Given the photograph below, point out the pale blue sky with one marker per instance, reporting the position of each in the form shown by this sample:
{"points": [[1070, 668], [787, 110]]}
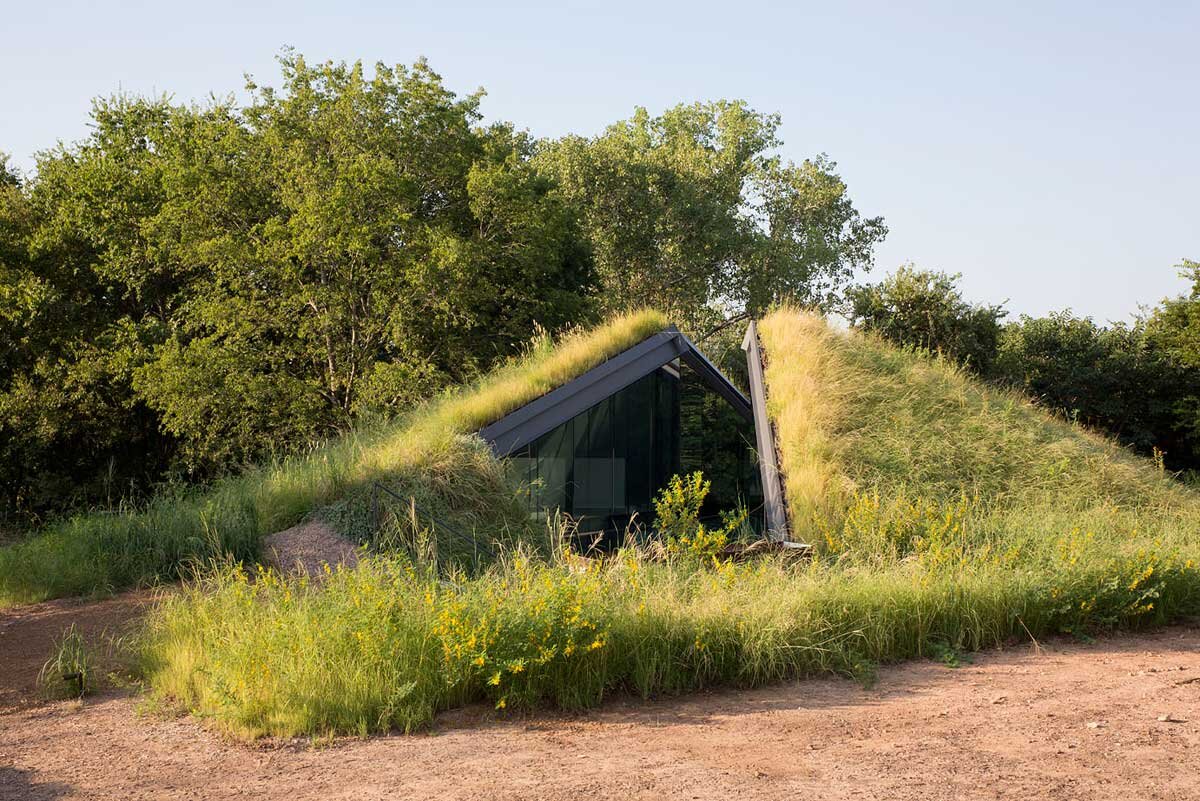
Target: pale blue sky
{"points": [[1046, 151]]}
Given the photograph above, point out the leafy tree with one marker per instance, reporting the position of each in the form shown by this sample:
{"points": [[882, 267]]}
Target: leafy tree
{"points": [[389, 239], [19, 292], [1112, 378], [197, 285], [692, 211], [1174, 328], [925, 309], [70, 426]]}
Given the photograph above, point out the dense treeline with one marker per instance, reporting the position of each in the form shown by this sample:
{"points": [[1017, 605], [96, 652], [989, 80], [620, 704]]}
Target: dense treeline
{"points": [[1140, 382], [195, 286]]}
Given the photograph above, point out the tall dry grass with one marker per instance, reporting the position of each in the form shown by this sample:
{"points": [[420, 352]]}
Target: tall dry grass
{"points": [[390, 644], [856, 416], [807, 386]]}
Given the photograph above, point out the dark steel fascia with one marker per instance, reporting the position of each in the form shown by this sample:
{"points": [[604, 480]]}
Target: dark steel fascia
{"points": [[542, 415]]}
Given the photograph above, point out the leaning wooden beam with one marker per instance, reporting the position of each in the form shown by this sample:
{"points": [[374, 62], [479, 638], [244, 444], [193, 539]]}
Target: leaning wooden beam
{"points": [[768, 458]]}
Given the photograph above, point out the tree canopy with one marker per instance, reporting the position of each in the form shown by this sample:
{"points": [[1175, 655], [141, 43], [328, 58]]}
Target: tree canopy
{"points": [[1174, 328], [925, 309], [196, 285], [693, 211]]}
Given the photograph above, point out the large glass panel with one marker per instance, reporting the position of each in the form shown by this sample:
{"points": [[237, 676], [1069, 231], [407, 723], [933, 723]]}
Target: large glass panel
{"points": [[636, 404], [552, 465], [605, 466], [594, 467], [718, 441]]}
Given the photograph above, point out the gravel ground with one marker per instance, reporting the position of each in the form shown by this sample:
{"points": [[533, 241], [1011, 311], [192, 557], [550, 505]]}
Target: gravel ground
{"points": [[308, 547]]}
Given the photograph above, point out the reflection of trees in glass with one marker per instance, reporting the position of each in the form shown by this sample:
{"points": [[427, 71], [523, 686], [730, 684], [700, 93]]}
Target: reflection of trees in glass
{"points": [[718, 442], [609, 462]]}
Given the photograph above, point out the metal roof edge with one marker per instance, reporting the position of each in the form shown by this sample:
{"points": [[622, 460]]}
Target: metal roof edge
{"points": [[545, 413]]}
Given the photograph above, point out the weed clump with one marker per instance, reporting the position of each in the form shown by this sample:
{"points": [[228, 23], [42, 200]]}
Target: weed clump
{"points": [[70, 672], [678, 524]]}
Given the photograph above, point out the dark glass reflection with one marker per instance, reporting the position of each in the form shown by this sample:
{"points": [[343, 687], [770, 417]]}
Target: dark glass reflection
{"points": [[604, 466]]}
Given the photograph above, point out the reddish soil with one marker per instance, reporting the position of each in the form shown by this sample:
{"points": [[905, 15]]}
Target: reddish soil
{"points": [[27, 635], [1071, 720]]}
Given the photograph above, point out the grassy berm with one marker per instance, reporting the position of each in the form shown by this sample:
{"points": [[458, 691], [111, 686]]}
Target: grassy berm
{"points": [[946, 515], [424, 455]]}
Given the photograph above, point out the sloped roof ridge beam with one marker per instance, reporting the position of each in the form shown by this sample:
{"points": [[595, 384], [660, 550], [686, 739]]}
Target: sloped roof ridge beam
{"points": [[544, 414], [768, 457]]}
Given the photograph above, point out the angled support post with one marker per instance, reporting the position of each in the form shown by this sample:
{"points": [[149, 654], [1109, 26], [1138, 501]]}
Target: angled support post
{"points": [[768, 457]]}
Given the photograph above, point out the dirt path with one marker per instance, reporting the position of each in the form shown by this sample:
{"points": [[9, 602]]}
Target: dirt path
{"points": [[1074, 721], [27, 634]]}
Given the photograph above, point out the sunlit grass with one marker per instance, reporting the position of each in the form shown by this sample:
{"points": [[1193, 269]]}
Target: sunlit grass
{"points": [[854, 415], [388, 645], [806, 385], [421, 452]]}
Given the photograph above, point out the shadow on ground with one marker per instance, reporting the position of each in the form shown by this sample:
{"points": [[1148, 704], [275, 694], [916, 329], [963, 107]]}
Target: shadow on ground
{"points": [[19, 784]]}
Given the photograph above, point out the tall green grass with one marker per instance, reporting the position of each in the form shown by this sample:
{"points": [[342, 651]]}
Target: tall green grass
{"points": [[387, 645], [855, 416], [423, 454]]}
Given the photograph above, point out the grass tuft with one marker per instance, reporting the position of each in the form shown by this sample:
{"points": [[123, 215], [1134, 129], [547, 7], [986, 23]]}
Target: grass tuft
{"points": [[70, 672]]}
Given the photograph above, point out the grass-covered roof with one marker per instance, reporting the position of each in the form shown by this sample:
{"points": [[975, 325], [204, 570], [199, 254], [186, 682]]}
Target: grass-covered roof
{"points": [[424, 453], [856, 417]]}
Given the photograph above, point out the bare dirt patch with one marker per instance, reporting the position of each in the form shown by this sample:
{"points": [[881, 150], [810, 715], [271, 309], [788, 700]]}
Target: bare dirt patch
{"points": [[309, 547], [1071, 721], [27, 633]]}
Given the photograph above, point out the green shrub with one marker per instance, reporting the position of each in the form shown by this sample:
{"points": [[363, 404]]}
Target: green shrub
{"points": [[677, 519]]}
